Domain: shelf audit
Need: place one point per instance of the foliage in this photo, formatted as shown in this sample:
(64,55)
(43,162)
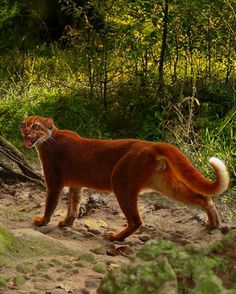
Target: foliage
(161,267)
(94,67)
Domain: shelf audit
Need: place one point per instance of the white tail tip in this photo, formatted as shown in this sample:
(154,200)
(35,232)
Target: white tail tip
(222,172)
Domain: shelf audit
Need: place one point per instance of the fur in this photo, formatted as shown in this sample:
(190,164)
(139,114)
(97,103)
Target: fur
(125,167)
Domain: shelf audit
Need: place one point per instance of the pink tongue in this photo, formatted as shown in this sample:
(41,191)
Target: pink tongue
(27,143)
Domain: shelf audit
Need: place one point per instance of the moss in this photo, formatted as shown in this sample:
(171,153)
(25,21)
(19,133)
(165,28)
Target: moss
(42,265)
(100,267)
(24,267)
(7,241)
(218,246)
(141,277)
(87,257)
(162,267)
(155,248)
(19,281)
(68,266)
(208,283)
(3,281)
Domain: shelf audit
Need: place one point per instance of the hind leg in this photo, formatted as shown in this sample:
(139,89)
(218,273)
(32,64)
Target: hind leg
(166,183)
(213,220)
(73,203)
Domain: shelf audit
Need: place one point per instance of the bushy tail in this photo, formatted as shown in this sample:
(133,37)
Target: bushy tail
(190,176)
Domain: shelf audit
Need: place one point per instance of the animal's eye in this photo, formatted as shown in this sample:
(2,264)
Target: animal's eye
(35,127)
(23,125)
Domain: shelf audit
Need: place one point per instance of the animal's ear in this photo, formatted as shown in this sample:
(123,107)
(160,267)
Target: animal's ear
(49,123)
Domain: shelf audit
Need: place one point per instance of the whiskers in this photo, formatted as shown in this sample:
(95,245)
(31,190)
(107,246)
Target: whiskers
(47,139)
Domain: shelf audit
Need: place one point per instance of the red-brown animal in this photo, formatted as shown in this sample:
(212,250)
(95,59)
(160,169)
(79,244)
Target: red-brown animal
(125,167)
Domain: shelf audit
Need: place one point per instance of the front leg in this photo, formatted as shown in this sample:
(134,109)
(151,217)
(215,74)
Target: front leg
(74,199)
(51,203)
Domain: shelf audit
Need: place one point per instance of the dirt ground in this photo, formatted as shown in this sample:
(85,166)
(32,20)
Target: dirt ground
(99,213)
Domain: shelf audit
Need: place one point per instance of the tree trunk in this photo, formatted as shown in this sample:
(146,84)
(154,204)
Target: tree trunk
(163,48)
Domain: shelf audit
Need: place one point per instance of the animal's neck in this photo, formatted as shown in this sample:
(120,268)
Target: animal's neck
(47,145)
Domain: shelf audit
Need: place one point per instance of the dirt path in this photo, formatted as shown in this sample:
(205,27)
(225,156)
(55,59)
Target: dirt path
(93,255)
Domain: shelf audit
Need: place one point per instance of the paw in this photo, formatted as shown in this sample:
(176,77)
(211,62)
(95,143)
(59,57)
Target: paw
(211,226)
(40,220)
(65,223)
(112,236)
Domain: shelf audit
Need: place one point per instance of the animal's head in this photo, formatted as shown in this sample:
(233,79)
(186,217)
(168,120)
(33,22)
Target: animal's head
(36,130)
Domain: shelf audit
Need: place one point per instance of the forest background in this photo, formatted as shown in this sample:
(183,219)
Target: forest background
(155,70)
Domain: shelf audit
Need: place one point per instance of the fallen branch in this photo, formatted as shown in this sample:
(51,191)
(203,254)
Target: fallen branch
(12,155)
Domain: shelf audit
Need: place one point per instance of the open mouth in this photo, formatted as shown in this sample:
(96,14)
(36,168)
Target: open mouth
(28,143)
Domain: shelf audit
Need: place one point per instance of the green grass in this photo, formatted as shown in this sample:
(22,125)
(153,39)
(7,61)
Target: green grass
(54,82)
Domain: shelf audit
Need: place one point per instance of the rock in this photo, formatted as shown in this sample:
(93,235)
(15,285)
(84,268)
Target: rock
(115,250)
(95,231)
(82,230)
(124,250)
(43,285)
(74,235)
(66,285)
(130,243)
(92,283)
(99,250)
(113,265)
(95,224)
(66,229)
(144,237)
(89,235)
(19,281)
(112,252)
(57,291)
(82,291)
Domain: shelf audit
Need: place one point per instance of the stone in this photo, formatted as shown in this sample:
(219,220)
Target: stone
(46,229)
(57,291)
(144,237)
(68,286)
(82,291)
(91,224)
(43,285)
(95,231)
(89,235)
(92,283)
(82,230)
(99,250)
